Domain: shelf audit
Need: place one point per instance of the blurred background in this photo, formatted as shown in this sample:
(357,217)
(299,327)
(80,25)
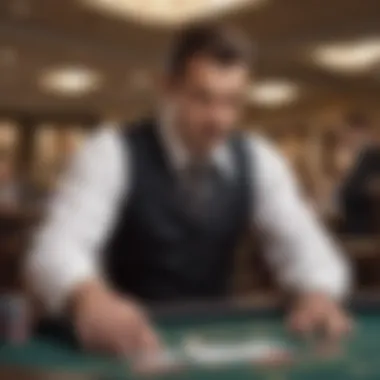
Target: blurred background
(67,66)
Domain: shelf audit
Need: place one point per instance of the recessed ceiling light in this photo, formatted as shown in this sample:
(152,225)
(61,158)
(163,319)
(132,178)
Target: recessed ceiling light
(349,57)
(167,11)
(273,93)
(70,81)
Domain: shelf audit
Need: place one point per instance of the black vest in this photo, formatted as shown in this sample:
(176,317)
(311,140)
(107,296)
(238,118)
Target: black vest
(160,252)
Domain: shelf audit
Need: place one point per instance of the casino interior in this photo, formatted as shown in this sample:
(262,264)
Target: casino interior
(67,67)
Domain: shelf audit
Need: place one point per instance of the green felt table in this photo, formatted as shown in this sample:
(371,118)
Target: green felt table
(53,348)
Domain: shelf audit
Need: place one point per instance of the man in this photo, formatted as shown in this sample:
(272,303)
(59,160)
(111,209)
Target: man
(175,193)
(359,190)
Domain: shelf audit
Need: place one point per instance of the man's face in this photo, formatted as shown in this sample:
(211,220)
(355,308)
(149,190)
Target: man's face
(207,101)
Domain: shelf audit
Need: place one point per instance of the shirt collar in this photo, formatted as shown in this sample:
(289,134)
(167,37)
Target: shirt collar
(179,156)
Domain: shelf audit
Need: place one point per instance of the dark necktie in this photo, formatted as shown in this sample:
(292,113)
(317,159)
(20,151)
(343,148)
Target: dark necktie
(198,186)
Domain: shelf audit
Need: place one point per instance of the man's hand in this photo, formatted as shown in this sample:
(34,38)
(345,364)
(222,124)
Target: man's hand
(318,313)
(106,322)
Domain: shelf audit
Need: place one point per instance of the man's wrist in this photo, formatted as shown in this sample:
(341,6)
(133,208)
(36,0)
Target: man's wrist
(84,291)
(317,297)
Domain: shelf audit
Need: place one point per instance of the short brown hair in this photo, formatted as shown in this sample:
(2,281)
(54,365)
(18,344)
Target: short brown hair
(225,44)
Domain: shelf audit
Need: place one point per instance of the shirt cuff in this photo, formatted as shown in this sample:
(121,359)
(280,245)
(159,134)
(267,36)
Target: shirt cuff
(54,287)
(335,285)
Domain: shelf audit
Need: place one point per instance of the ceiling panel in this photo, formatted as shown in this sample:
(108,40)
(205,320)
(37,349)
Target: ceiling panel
(39,34)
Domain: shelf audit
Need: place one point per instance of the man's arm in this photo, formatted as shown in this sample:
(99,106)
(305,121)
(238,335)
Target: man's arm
(304,256)
(66,249)
(307,261)
(63,267)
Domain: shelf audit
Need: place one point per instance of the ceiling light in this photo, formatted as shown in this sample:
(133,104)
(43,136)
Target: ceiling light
(273,93)
(70,81)
(349,57)
(167,11)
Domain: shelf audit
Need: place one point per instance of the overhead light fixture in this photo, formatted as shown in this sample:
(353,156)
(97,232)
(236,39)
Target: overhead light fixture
(168,11)
(349,57)
(70,81)
(273,93)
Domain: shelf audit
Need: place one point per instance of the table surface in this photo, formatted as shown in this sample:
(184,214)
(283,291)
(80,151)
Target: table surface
(53,355)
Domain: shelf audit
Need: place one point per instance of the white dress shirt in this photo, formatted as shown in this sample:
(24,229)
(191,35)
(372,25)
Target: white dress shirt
(84,211)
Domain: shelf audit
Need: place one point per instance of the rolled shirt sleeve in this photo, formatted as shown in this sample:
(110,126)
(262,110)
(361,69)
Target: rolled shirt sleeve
(66,249)
(302,253)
